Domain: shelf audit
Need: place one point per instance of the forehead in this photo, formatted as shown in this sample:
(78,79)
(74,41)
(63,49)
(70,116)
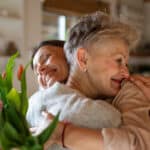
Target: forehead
(112,46)
(50,49)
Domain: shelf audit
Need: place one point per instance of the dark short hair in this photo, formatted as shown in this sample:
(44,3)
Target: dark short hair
(57,43)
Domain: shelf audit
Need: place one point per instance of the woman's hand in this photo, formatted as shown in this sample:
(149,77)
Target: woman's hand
(142,83)
(33,130)
(74,137)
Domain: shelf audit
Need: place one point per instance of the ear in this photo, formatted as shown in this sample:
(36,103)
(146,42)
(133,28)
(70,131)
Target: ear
(81,58)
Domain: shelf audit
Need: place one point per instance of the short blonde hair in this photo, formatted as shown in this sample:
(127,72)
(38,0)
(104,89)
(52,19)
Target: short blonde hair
(96,26)
(119,30)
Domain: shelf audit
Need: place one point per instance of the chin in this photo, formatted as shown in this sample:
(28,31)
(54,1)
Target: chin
(115,92)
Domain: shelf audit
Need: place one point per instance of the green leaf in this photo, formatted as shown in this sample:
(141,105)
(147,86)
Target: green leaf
(23,94)
(3,93)
(3,90)
(14,130)
(14,97)
(33,147)
(32,143)
(16,119)
(2,121)
(45,135)
(12,134)
(31,140)
(36,147)
(9,71)
(4,142)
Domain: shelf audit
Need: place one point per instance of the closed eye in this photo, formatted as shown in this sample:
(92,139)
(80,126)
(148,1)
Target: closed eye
(119,61)
(44,58)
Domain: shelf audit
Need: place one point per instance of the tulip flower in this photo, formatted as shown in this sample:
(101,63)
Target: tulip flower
(14,129)
(4,75)
(20,71)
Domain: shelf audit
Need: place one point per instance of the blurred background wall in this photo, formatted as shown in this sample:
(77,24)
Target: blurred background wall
(24,23)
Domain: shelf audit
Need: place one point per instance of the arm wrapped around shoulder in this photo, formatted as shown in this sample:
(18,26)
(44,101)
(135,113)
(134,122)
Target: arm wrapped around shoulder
(86,112)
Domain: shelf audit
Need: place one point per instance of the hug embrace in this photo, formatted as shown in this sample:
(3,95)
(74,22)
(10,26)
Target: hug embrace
(106,107)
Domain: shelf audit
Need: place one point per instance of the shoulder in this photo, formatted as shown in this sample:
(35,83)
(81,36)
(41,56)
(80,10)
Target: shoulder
(35,95)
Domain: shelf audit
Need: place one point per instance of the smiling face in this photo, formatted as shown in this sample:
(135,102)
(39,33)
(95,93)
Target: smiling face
(107,66)
(50,65)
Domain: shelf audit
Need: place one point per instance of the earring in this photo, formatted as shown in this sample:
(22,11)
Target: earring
(85,70)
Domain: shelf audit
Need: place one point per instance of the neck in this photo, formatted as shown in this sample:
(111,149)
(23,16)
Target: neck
(79,80)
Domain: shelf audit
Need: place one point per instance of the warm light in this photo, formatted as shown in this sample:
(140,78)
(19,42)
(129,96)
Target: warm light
(61,27)
(4,12)
(42,1)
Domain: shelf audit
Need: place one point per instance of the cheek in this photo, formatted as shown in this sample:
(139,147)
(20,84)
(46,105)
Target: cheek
(107,71)
(64,70)
(112,67)
(56,61)
(114,70)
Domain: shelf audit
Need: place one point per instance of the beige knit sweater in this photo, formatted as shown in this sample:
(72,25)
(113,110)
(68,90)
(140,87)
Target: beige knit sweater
(134,133)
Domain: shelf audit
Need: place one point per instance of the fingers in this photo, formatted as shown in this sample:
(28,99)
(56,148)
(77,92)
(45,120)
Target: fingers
(143,83)
(4,75)
(138,83)
(144,79)
(48,115)
(33,129)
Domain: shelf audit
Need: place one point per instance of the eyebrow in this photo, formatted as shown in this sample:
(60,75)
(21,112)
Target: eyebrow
(118,53)
(47,54)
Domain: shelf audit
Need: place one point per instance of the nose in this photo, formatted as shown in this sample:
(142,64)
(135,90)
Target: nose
(125,72)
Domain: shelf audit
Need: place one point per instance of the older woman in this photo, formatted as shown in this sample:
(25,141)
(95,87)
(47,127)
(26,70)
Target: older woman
(98,65)
(75,100)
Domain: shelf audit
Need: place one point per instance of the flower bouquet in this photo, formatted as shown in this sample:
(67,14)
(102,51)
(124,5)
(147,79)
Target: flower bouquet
(14,129)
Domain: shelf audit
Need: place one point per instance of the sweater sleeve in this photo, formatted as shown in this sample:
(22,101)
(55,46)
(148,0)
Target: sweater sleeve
(134,133)
(90,113)
(35,107)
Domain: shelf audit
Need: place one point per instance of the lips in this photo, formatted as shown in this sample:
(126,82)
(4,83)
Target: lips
(116,82)
(49,76)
